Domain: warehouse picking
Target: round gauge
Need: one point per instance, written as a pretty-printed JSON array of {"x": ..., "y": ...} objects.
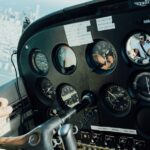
[
  {"x": 47, "y": 88},
  {"x": 65, "y": 59},
  {"x": 40, "y": 62},
  {"x": 103, "y": 56},
  {"x": 69, "y": 96},
  {"x": 141, "y": 86},
  {"x": 138, "y": 48},
  {"x": 117, "y": 100}
]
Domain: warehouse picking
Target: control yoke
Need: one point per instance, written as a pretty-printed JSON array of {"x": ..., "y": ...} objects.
[{"x": 41, "y": 136}]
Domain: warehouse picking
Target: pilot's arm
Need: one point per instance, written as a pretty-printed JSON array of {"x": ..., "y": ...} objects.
[{"x": 5, "y": 110}]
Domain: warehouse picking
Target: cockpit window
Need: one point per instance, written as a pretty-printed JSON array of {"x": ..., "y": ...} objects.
[{"x": 12, "y": 15}]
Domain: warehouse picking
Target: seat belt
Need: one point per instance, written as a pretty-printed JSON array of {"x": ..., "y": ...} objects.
[{"x": 144, "y": 50}]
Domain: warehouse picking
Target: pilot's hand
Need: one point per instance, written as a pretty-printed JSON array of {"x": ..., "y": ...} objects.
[
  {"x": 5, "y": 110},
  {"x": 110, "y": 59},
  {"x": 99, "y": 59},
  {"x": 108, "y": 64}
]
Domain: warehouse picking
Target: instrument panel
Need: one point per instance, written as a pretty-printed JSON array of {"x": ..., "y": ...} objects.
[{"x": 108, "y": 55}]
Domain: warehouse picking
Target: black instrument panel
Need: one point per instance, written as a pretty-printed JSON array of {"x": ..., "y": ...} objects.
[{"x": 108, "y": 63}]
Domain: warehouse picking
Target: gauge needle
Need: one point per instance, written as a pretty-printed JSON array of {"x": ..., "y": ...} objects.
[
  {"x": 112, "y": 95},
  {"x": 147, "y": 83}
]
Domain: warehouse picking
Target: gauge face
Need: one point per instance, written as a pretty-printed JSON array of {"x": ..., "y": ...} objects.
[
  {"x": 141, "y": 86},
  {"x": 138, "y": 48},
  {"x": 40, "y": 62},
  {"x": 66, "y": 59},
  {"x": 117, "y": 99},
  {"x": 104, "y": 56},
  {"x": 47, "y": 88},
  {"x": 69, "y": 96}
]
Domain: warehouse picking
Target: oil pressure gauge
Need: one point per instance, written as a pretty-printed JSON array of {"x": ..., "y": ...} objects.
[{"x": 117, "y": 100}]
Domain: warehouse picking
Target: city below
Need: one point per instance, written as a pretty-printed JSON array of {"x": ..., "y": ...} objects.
[{"x": 11, "y": 23}]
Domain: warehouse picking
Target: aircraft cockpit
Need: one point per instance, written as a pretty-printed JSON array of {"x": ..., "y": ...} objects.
[{"x": 86, "y": 71}]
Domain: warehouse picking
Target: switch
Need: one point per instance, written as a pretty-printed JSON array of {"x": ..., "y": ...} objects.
[
  {"x": 110, "y": 140},
  {"x": 98, "y": 139},
  {"x": 123, "y": 142}
]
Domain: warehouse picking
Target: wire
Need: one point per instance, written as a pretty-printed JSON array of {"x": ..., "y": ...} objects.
[
  {"x": 17, "y": 88},
  {"x": 24, "y": 120}
]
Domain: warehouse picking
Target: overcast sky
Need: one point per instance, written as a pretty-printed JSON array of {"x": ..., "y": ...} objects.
[{"x": 46, "y": 6}]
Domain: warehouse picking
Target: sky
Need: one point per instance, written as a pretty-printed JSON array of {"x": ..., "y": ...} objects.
[{"x": 46, "y": 6}]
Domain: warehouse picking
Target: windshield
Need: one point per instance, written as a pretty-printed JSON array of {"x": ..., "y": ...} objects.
[{"x": 12, "y": 15}]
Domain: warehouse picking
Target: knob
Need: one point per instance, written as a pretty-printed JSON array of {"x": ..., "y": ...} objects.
[{"x": 139, "y": 145}]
